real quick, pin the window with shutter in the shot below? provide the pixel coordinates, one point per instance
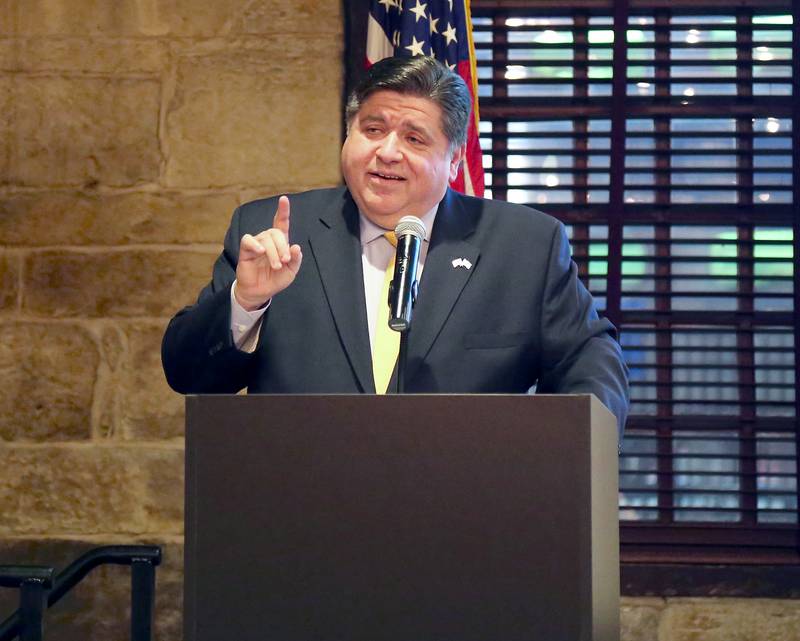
(664, 135)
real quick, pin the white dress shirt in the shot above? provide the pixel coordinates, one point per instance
(377, 254)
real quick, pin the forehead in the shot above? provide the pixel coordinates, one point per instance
(402, 109)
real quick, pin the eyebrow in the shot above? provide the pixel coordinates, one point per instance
(380, 119)
(406, 126)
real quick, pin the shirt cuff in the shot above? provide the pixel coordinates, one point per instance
(245, 325)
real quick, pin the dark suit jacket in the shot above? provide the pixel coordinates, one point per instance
(518, 318)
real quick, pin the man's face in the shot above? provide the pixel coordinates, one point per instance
(396, 159)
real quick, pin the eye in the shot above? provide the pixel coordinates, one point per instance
(415, 140)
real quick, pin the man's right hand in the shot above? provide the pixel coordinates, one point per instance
(267, 263)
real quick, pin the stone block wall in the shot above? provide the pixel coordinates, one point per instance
(130, 130)
(710, 619)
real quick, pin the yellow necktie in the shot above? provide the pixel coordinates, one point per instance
(386, 343)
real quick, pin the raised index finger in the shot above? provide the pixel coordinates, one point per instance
(281, 220)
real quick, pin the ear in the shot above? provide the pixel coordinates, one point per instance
(455, 161)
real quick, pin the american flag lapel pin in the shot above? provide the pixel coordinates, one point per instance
(461, 262)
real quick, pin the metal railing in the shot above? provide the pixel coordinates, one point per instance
(39, 590)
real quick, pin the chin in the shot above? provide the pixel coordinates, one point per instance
(383, 211)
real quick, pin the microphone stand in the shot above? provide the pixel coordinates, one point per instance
(401, 362)
(403, 353)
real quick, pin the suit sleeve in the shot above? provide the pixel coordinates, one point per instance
(580, 352)
(198, 352)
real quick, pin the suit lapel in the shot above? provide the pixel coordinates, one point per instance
(442, 282)
(336, 247)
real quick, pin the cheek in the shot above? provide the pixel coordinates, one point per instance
(355, 155)
(438, 171)
(349, 161)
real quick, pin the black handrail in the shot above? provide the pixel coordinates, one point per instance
(142, 558)
(33, 583)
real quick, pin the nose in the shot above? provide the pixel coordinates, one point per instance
(389, 149)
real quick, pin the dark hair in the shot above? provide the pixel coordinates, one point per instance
(419, 76)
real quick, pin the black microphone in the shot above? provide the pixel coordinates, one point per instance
(410, 232)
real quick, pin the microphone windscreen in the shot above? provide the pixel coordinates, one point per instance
(410, 225)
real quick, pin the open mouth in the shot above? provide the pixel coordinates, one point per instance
(383, 176)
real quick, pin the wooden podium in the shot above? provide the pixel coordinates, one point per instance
(401, 518)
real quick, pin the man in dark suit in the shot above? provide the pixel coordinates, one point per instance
(291, 307)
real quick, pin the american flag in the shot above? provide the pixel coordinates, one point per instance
(438, 28)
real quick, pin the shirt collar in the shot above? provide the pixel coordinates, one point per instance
(369, 231)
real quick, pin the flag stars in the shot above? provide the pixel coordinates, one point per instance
(433, 23)
(450, 34)
(416, 47)
(387, 3)
(419, 11)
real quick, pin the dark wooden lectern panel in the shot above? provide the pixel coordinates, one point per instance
(407, 518)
